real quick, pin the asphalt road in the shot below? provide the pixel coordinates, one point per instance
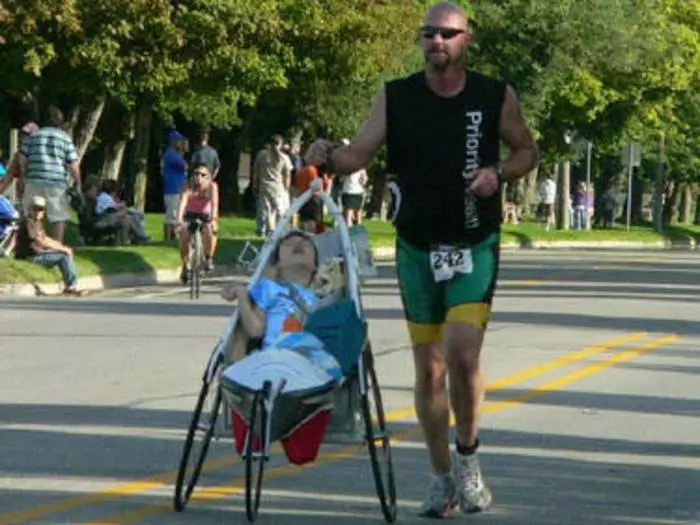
(593, 415)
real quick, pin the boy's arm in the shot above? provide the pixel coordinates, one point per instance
(253, 319)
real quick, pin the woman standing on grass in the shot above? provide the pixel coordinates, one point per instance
(199, 200)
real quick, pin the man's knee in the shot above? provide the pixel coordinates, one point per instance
(431, 369)
(463, 346)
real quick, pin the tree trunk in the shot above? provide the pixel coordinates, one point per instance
(563, 189)
(530, 182)
(639, 187)
(231, 150)
(83, 121)
(674, 201)
(143, 120)
(686, 204)
(117, 130)
(697, 207)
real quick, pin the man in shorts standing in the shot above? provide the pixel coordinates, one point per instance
(174, 178)
(48, 161)
(443, 129)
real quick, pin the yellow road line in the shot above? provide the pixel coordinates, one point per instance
(165, 478)
(237, 486)
(549, 366)
(582, 373)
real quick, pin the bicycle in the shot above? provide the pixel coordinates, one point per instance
(195, 223)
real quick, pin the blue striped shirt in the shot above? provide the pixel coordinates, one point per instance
(50, 151)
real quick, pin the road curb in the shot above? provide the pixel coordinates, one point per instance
(93, 283)
(128, 280)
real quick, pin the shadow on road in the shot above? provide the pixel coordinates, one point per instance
(531, 483)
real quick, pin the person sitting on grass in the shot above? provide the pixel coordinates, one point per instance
(33, 243)
(108, 201)
(199, 200)
(270, 302)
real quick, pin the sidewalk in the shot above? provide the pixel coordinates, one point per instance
(170, 276)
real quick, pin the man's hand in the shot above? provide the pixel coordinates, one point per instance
(484, 182)
(318, 152)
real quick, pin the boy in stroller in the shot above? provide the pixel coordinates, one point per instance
(271, 303)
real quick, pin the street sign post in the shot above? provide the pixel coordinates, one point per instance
(632, 158)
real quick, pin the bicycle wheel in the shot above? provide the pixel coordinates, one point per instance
(203, 430)
(254, 473)
(196, 265)
(378, 441)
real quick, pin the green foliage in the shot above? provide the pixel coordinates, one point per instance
(609, 70)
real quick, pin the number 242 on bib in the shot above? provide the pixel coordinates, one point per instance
(445, 262)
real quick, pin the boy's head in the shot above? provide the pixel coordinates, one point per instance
(91, 186)
(110, 186)
(296, 253)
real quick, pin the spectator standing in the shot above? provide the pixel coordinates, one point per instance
(547, 194)
(14, 171)
(206, 155)
(272, 175)
(48, 159)
(353, 194)
(174, 178)
(580, 206)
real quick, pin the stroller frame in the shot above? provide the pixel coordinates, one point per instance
(362, 388)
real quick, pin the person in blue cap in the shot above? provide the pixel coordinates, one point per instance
(174, 178)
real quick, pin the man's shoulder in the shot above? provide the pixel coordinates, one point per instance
(53, 134)
(408, 81)
(487, 84)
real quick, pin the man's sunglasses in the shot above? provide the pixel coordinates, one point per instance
(447, 33)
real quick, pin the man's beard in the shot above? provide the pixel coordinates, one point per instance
(440, 60)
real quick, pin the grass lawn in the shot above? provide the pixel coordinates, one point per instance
(529, 231)
(104, 260)
(234, 231)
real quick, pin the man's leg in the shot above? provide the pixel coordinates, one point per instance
(423, 306)
(57, 211)
(58, 230)
(65, 264)
(469, 300)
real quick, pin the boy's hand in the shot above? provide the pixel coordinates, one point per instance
(234, 292)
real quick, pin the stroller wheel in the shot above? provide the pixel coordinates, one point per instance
(255, 455)
(378, 441)
(198, 439)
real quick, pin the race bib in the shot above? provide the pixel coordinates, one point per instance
(446, 261)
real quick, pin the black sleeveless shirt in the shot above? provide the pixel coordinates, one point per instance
(431, 142)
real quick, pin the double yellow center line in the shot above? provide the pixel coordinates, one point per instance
(209, 493)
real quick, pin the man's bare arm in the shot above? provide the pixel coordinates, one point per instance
(355, 156)
(75, 171)
(49, 243)
(524, 155)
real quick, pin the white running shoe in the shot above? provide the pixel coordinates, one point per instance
(474, 495)
(441, 499)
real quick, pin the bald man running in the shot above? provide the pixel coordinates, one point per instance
(443, 128)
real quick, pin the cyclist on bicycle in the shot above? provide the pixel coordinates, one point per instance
(199, 200)
(271, 302)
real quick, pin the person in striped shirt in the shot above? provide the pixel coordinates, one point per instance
(48, 160)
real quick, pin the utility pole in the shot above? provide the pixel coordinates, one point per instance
(659, 187)
(589, 148)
